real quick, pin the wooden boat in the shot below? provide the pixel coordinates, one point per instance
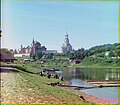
(51, 70)
(104, 83)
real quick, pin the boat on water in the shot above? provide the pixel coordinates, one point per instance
(52, 70)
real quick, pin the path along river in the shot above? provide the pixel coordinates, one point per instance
(76, 77)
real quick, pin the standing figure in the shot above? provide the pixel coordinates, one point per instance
(62, 79)
(49, 75)
(56, 76)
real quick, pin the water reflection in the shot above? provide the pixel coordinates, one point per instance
(76, 76)
(90, 74)
(111, 75)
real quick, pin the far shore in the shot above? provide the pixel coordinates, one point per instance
(78, 66)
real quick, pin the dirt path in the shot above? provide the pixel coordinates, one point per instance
(15, 89)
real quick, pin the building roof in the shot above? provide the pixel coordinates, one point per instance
(5, 54)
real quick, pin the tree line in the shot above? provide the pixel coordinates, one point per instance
(106, 50)
(101, 51)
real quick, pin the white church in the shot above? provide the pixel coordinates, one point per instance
(66, 45)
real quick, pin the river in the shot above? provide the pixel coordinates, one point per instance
(76, 77)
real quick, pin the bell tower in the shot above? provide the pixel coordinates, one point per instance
(66, 45)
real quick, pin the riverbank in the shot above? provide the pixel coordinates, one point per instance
(23, 87)
(93, 66)
(18, 83)
(88, 98)
(52, 64)
(60, 64)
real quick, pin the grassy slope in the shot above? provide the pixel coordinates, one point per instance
(38, 86)
(28, 88)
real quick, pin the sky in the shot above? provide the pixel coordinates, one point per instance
(88, 24)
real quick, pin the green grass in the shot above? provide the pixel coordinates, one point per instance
(41, 84)
(49, 64)
(40, 87)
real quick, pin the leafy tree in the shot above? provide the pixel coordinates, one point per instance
(33, 56)
(5, 49)
(49, 56)
(80, 53)
(69, 54)
(111, 54)
(118, 50)
(38, 54)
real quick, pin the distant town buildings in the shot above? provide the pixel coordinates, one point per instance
(37, 46)
(50, 52)
(29, 50)
(66, 45)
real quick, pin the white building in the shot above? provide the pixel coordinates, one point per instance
(66, 45)
(22, 55)
(50, 52)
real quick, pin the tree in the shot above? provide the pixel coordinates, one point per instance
(118, 50)
(38, 54)
(111, 54)
(49, 56)
(69, 54)
(33, 56)
(80, 53)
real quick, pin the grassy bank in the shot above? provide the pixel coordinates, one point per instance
(27, 79)
(93, 66)
(26, 86)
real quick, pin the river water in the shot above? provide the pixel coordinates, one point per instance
(76, 77)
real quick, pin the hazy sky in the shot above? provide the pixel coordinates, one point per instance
(87, 23)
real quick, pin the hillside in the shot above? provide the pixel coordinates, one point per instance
(23, 85)
(102, 55)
